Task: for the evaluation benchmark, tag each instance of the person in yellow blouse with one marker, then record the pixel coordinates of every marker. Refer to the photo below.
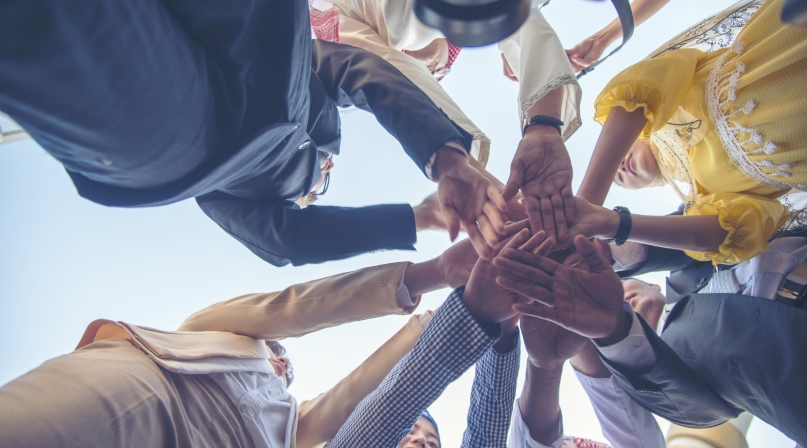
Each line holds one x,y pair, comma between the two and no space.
730,124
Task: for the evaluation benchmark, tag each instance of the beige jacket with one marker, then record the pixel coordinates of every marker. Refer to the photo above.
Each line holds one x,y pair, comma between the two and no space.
228,336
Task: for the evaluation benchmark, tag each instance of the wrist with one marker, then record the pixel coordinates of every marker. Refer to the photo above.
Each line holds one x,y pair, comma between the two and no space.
551,372
420,218
620,329
609,34
610,224
444,159
424,277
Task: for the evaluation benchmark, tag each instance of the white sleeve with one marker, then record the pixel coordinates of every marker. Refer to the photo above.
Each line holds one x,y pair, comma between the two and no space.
520,433
633,352
624,423
358,34
393,20
540,63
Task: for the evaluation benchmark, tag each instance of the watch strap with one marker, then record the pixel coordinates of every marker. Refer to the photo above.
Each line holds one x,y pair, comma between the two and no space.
547,120
625,224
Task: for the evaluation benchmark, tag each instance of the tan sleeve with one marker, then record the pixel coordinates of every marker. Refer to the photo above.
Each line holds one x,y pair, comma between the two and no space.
321,418
307,307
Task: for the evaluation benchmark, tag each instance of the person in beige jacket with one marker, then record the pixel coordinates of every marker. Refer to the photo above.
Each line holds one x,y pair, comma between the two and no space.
215,382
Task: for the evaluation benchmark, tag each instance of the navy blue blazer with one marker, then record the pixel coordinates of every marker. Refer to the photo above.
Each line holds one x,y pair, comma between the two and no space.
226,102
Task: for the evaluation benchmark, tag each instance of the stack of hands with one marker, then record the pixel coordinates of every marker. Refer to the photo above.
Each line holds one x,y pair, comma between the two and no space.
538,189
560,304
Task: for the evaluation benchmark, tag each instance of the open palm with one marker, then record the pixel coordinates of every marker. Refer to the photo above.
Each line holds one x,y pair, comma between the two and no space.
586,300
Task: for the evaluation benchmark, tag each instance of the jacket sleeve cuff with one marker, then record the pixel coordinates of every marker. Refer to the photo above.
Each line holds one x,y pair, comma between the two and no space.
633,352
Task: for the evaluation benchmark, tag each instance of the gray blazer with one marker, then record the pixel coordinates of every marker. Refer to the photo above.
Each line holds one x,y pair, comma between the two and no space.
720,354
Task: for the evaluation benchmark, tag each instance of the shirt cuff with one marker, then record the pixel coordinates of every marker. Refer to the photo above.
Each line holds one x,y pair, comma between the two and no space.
402,297
430,163
633,352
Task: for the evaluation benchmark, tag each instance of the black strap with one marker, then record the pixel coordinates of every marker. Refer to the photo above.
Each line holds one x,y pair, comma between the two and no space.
626,18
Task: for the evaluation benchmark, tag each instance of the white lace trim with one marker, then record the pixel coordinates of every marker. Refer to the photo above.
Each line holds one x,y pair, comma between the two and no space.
729,132
570,127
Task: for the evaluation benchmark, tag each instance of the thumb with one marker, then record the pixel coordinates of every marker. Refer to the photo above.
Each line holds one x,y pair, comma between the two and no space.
513,182
591,256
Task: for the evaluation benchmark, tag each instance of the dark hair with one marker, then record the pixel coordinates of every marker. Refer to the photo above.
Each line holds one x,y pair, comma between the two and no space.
279,350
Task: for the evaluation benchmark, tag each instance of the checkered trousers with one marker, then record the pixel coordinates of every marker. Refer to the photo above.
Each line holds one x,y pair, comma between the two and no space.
449,345
492,397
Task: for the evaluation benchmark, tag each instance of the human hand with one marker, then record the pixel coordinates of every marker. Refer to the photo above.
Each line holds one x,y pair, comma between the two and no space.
469,198
586,301
429,214
456,262
487,301
593,221
508,72
542,170
548,345
586,53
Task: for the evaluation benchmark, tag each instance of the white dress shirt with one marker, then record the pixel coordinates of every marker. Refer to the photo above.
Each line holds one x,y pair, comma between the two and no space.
624,423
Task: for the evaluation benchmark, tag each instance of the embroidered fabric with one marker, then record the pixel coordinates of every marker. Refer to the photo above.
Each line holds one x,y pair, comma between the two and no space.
563,80
722,110
670,146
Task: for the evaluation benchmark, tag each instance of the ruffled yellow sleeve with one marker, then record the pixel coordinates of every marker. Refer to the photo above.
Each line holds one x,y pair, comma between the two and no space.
750,221
657,85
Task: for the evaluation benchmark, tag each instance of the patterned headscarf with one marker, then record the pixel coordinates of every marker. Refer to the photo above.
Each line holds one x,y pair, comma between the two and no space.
425,414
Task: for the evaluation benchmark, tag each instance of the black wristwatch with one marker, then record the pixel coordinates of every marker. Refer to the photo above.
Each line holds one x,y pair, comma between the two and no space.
625,223
541,119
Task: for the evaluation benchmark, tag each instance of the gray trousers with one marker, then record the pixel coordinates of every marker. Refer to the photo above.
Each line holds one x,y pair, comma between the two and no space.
110,394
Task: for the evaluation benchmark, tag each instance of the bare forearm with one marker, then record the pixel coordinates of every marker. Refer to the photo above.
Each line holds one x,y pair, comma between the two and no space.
620,131
540,403
550,104
421,278
642,10
694,233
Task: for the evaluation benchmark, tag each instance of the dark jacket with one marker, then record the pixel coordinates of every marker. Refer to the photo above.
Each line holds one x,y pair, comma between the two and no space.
720,354
225,102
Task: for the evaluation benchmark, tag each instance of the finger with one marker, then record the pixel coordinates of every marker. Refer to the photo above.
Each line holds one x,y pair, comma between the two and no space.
497,198
488,232
494,216
545,248
521,272
539,311
590,255
514,181
533,206
515,227
559,213
538,261
534,242
526,289
452,222
513,242
477,240
568,203
548,216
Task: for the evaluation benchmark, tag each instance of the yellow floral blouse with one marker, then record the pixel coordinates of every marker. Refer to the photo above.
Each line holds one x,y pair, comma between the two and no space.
747,209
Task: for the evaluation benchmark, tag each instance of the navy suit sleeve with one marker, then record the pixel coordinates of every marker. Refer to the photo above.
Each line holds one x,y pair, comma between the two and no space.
281,232
354,76
671,389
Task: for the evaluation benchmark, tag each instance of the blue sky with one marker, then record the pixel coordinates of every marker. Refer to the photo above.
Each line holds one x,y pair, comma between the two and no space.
65,261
